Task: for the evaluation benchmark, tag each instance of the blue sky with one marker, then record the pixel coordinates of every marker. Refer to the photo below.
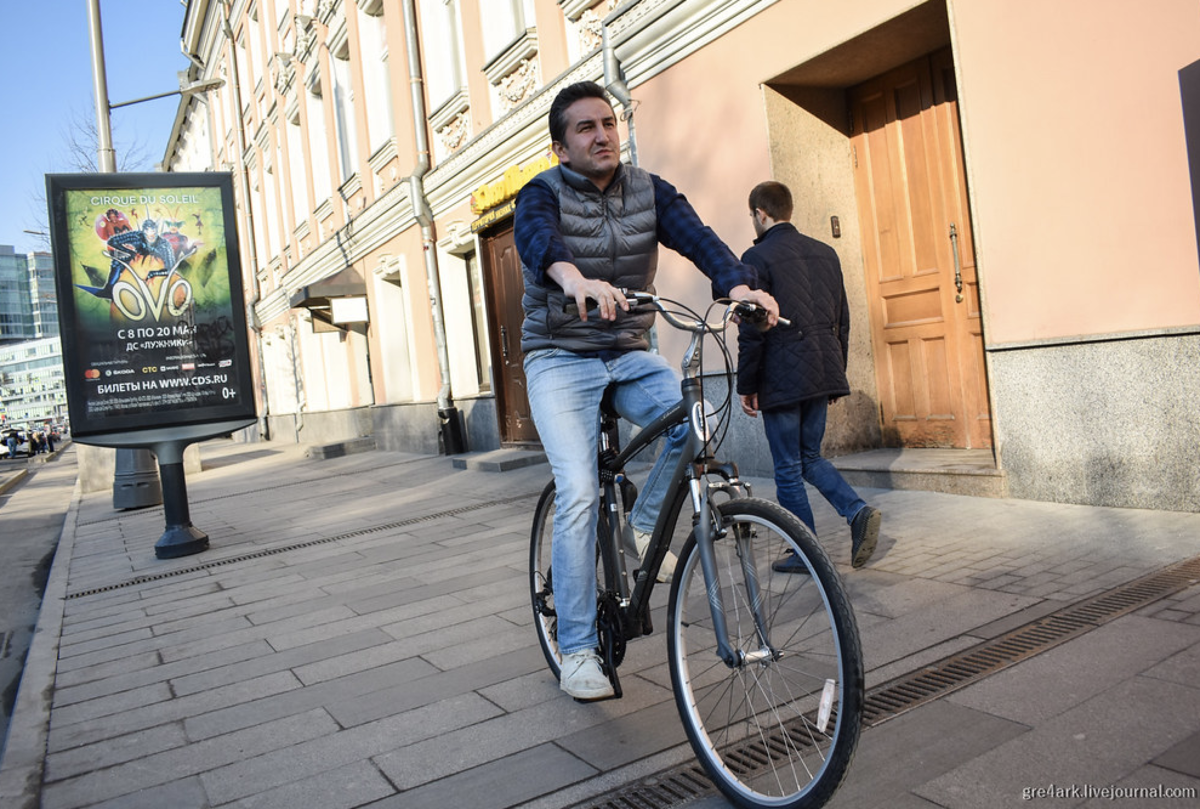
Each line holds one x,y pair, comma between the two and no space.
46,65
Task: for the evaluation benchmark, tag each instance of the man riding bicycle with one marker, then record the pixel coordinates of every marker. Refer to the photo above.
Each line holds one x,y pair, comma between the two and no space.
586,229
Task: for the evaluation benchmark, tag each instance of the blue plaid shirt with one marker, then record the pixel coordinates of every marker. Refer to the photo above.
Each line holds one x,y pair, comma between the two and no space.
540,244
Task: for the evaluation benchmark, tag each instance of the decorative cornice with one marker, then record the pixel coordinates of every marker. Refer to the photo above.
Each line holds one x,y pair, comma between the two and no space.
525,48
573,9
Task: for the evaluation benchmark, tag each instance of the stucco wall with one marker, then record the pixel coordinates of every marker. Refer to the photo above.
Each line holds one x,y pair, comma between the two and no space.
1077,163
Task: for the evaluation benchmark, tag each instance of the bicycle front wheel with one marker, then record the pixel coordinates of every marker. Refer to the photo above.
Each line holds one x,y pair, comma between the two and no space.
779,727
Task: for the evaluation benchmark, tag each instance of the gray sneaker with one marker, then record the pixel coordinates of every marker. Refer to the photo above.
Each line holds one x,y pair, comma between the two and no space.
864,533
583,678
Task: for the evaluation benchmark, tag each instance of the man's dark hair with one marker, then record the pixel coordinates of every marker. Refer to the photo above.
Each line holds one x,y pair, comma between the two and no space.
774,199
565,98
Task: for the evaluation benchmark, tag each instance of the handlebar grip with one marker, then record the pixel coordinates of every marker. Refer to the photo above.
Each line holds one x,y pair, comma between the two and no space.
634,297
756,315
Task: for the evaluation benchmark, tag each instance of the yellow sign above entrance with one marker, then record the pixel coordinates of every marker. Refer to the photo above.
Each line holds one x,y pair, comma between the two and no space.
490,195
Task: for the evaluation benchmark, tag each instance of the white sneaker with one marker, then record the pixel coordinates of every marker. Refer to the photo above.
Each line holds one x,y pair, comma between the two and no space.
666,571
583,678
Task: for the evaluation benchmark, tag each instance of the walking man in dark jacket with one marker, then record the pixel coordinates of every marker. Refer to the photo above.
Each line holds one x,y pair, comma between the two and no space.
792,373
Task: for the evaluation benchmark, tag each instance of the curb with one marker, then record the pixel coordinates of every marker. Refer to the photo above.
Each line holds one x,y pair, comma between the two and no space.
11,482
28,731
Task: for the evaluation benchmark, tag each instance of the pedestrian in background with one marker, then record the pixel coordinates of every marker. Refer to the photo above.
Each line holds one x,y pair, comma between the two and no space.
792,374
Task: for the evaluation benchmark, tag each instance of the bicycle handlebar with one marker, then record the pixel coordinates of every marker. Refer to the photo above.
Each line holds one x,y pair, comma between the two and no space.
744,310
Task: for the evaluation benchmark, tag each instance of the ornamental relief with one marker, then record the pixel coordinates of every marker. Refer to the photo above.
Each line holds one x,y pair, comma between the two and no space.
590,26
454,134
325,9
517,85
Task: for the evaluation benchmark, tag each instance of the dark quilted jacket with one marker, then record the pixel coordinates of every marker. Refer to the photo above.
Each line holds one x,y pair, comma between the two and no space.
791,364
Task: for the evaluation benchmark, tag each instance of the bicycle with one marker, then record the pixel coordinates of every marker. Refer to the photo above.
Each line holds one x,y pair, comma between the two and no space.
766,667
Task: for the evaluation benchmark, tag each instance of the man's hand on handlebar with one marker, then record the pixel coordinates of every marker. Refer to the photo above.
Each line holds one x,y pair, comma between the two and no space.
758,297
575,285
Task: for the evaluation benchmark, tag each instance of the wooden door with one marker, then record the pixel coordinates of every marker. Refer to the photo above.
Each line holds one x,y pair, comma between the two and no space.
502,275
919,257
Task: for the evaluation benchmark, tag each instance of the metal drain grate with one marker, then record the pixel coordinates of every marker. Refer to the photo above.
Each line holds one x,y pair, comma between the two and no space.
296,546
889,700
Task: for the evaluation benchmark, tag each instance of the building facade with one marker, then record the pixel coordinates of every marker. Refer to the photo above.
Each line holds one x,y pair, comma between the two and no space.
43,298
16,303
32,387
1018,236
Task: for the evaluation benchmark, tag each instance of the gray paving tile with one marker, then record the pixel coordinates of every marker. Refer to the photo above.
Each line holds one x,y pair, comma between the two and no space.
356,784
899,755
305,760
1097,742
171,765
110,704
509,781
271,661
107,752
505,735
184,792
1183,757
290,702
417,691
1056,681
231,698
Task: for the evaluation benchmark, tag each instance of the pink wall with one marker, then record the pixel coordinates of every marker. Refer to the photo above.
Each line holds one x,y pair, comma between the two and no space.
1074,138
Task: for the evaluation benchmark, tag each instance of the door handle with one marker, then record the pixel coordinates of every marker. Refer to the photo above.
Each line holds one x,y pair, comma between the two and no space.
504,343
957,263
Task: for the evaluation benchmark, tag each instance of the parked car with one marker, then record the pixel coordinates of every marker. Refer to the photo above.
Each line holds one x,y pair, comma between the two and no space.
21,445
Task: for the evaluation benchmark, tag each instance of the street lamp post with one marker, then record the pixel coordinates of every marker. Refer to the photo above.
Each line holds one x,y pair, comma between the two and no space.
135,482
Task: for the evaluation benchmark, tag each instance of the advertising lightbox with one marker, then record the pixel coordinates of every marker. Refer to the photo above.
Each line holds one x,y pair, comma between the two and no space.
150,301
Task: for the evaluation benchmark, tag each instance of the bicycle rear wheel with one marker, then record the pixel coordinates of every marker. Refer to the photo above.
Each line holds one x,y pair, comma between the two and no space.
779,728
541,580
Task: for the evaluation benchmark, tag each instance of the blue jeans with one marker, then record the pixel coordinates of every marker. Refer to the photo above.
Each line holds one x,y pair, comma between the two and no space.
564,397
794,435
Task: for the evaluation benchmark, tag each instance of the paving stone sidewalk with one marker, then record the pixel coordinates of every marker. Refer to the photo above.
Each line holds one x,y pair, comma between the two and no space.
359,634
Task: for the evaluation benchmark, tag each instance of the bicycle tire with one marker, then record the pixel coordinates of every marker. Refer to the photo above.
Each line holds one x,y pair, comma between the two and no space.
541,580
757,728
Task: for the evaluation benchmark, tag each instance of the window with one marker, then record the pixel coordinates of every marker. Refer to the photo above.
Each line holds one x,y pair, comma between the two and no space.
443,55
343,112
297,170
372,36
503,22
318,145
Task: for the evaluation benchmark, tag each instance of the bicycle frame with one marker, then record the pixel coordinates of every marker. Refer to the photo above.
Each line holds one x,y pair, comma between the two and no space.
694,464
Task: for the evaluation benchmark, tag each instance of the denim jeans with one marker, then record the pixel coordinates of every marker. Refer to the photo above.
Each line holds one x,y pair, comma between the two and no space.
794,435
564,397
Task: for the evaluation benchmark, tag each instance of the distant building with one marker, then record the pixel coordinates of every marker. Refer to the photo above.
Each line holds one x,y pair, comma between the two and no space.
16,309
32,387
42,296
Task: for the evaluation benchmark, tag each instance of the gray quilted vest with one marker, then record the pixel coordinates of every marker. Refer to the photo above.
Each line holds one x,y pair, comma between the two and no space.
613,236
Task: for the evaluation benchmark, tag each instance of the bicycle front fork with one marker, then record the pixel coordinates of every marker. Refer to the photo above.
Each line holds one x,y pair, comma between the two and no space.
709,528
